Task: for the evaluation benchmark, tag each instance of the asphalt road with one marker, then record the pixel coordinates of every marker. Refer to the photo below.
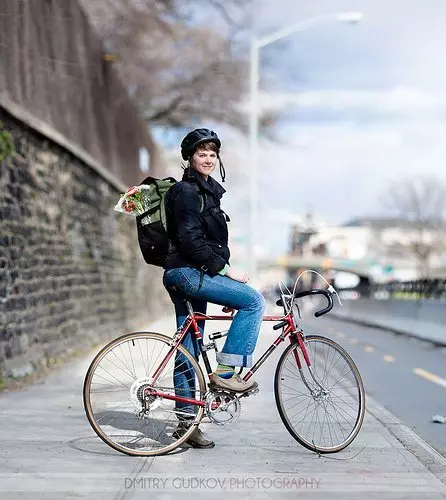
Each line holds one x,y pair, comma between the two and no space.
407,376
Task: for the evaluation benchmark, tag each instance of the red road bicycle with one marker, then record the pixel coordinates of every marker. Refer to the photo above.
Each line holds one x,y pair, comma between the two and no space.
133,405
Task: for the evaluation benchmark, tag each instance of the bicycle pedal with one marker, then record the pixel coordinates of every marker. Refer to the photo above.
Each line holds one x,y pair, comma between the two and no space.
253,391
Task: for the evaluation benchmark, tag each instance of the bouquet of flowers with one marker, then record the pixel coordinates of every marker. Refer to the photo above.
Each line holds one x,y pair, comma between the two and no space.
135,201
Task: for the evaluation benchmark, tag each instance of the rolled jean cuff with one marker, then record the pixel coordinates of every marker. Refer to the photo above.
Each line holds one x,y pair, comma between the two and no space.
234,359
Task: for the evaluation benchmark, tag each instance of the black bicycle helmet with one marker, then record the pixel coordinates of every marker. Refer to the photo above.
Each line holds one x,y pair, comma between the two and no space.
193,139
198,136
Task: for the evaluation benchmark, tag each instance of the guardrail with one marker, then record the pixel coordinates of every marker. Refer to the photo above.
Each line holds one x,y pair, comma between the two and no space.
410,290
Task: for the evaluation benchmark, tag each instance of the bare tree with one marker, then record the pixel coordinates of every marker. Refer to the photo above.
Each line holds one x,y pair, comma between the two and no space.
179,60
420,202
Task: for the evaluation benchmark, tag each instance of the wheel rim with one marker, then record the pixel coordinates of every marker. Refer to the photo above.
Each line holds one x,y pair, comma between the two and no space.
329,417
117,382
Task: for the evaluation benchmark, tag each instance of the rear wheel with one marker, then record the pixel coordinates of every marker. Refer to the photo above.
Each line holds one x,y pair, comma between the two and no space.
120,378
324,413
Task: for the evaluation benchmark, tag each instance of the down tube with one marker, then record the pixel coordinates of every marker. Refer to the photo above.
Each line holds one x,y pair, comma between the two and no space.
267,353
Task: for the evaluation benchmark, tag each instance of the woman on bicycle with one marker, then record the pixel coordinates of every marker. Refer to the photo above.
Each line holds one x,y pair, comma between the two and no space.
198,267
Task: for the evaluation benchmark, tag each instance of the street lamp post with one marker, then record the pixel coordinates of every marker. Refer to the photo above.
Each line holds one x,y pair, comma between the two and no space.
256,45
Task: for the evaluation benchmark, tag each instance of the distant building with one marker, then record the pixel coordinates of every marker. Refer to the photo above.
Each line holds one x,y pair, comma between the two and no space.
382,245
302,231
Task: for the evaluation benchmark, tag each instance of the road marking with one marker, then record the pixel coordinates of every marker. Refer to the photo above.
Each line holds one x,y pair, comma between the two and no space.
369,348
389,359
353,341
430,376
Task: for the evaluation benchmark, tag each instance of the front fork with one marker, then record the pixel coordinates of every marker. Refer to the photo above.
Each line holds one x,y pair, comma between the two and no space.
299,340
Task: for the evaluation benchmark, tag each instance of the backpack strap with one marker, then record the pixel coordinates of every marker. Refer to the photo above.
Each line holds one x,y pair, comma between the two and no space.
163,214
202,195
203,200
162,196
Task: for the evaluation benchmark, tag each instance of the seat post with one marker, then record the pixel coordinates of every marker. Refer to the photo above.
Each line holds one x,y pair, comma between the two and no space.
189,307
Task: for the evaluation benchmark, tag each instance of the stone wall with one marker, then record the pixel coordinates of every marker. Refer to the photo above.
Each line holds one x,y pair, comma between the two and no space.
71,273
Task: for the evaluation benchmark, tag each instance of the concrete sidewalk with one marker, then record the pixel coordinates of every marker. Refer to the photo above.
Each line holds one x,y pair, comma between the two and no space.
48,450
428,331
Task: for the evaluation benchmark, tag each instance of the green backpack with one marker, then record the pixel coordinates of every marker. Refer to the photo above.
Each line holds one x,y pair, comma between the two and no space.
152,225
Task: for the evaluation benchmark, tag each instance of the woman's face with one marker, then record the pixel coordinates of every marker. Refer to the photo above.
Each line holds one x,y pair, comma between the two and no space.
204,162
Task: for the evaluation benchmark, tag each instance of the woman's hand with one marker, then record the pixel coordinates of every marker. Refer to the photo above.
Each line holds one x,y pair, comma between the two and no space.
237,275
228,309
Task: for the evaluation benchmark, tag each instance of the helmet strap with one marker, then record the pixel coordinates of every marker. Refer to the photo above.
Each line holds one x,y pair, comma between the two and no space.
222,169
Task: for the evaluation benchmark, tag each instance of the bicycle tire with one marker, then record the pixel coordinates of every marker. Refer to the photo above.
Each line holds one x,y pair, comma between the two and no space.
87,391
284,413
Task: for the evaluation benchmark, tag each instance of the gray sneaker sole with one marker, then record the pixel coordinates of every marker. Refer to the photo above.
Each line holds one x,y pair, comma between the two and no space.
193,442
220,385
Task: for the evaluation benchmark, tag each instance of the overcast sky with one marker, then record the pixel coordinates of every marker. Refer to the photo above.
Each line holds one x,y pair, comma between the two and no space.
365,104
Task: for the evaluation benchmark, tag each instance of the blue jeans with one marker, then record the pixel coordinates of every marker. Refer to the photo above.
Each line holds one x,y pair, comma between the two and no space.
183,282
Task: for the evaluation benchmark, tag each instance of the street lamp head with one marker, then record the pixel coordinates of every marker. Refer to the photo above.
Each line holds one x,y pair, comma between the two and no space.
349,17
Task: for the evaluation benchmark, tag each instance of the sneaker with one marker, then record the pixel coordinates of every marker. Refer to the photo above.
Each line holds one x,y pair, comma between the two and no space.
197,439
233,384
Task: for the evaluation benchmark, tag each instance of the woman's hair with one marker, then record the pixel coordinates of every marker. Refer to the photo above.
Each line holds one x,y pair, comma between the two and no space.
209,146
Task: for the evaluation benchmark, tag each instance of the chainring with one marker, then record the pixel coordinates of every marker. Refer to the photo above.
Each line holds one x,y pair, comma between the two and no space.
222,408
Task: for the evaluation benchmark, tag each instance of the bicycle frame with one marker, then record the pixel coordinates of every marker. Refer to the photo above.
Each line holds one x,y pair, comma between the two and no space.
286,322
167,385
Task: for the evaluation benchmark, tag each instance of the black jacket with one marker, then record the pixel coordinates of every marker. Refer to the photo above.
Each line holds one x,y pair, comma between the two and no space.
198,238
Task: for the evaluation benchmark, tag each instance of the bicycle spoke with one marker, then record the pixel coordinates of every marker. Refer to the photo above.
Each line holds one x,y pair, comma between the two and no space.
294,391
127,370
329,428
330,369
146,371
293,406
119,368
343,411
124,360
343,378
338,422
117,380
297,374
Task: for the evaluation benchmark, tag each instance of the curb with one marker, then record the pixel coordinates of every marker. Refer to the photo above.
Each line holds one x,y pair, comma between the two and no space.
380,326
434,462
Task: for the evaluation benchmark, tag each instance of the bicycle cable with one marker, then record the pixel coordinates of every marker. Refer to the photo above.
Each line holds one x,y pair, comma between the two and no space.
330,288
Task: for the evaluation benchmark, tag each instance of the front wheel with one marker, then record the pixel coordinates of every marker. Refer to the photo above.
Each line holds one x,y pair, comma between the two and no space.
323,412
122,402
